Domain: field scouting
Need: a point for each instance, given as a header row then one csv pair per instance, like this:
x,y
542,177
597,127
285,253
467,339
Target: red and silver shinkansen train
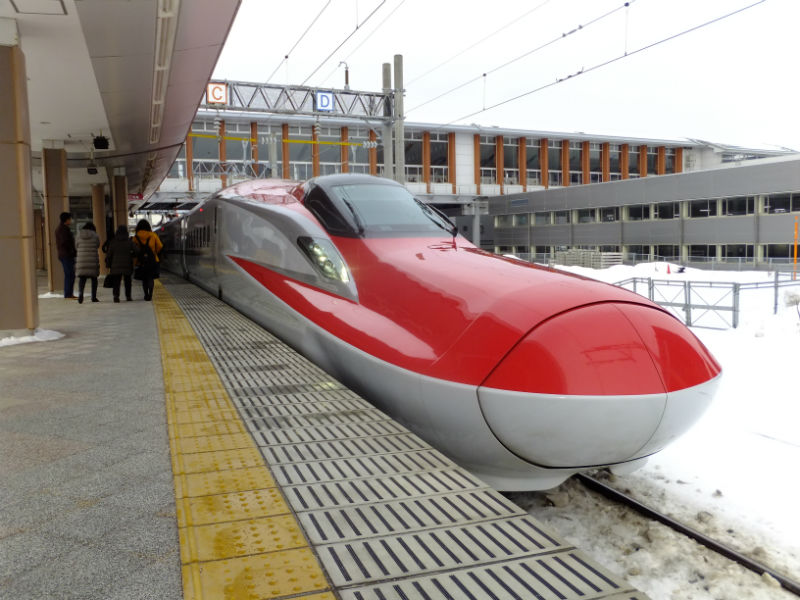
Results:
x,y
521,374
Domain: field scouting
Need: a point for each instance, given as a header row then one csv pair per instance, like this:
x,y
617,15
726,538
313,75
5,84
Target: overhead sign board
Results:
x,y
324,101
217,93
135,197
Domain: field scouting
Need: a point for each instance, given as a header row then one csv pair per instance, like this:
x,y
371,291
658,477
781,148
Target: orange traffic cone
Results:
x,y
668,271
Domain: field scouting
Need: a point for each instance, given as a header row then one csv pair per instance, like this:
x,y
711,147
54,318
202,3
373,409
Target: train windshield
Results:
x,y
377,210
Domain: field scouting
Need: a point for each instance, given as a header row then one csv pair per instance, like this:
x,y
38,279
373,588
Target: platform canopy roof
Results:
x,y
131,71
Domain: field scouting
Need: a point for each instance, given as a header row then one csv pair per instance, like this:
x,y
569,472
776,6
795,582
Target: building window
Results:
x,y
586,215
439,147
739,205
511,164
488,160
737,252
796,202
542,218
609,214
575,165
638,252
413,156
778,203
702,208
633,163
702,251
554,162
639,212
670,160
614,165
561,217
667,210
669,252
503,220
532,158
520,220
652,160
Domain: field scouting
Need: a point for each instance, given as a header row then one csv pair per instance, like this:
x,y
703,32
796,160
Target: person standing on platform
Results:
x,y
119,258
65,246
87,264
148,247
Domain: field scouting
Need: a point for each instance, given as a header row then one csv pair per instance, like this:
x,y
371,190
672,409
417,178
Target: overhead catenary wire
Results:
x,y
358,26
479,42
583,71
354,50
286,56
563,36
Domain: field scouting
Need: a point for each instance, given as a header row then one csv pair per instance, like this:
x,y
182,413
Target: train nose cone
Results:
x,y
591,386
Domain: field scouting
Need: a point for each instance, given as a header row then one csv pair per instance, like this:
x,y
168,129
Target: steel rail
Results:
x,y
718,547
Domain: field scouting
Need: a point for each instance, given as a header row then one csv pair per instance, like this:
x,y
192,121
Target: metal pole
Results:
x,y
386,136
794,268
399,128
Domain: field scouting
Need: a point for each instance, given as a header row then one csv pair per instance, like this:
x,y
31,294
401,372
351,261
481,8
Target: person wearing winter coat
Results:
x,y
148,247
65,246
119,257
87,263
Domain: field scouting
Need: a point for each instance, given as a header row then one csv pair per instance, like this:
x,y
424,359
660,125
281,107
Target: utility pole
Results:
x,y
399,128
386,135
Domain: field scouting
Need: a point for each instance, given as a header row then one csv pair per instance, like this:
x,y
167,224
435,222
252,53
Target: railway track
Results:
x,y
718,547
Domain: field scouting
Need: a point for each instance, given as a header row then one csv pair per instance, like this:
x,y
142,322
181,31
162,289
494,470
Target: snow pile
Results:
x,y
39,335
732,477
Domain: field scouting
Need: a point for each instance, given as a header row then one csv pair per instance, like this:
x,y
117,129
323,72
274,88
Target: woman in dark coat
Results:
x,y
119,258
87,263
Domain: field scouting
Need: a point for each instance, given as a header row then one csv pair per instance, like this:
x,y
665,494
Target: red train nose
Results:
x,y
599,379
606,349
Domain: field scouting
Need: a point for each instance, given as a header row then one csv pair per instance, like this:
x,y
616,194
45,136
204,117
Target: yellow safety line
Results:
x,y
238,538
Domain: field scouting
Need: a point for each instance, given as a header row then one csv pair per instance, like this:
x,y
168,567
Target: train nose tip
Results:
x,y
600,377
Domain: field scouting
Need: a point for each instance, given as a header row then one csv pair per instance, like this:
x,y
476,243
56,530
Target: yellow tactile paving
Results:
x,y
235,506
291,572
219,541
238,538
202,462
237,480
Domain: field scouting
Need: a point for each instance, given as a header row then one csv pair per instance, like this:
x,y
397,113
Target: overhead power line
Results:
x,y
358,25
286,56
525,55
479,42
354,50
610,61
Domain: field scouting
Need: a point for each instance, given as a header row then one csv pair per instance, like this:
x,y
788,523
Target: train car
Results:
x,y
522,374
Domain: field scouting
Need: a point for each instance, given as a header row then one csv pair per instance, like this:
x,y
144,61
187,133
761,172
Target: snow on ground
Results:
x,y
39,335
732,477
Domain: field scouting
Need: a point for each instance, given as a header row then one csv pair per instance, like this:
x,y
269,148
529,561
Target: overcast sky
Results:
x,y
734,81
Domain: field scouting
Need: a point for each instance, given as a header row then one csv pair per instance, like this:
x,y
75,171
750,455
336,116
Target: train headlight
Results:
x,y
325,258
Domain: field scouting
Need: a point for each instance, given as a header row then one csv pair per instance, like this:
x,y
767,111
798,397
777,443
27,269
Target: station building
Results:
x,y
532,193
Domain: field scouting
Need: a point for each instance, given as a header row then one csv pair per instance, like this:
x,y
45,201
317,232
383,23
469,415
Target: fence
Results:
x,y
711,304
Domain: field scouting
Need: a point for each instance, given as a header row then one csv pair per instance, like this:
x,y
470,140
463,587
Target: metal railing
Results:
x,y
709,304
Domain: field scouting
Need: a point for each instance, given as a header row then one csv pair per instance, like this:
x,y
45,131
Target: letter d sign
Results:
x,y
325,101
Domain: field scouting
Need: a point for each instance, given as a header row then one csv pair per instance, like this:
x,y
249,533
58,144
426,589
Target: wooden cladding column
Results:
x,y
285,150
522,161
254,147
565,162
544,161
642,161
426,160
314,152
585,175
451,160
661,161
605,161
624,160
499,162
679,160
222,154
476,153
344,155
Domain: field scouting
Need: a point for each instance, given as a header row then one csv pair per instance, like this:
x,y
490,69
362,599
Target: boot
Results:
x,y
95,300
80,298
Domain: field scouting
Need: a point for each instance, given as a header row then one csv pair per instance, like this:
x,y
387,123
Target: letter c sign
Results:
x,y
217,93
